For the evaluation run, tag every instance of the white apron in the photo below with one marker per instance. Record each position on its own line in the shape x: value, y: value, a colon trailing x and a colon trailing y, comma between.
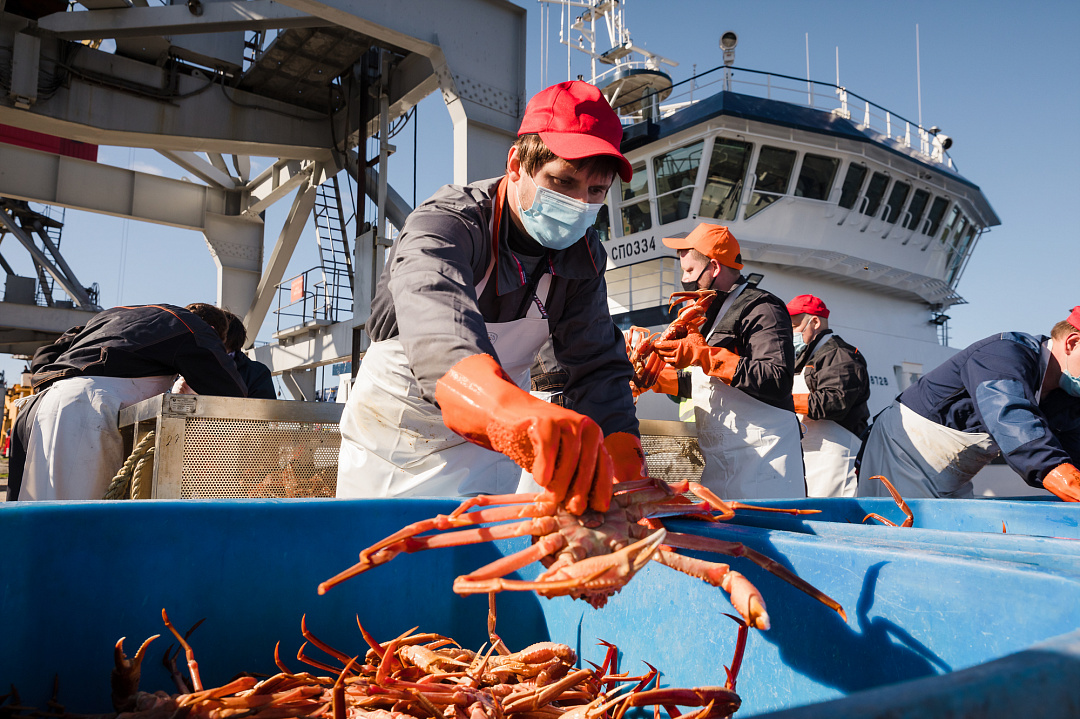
x: 751, y: 448
x: 922, y: 458
x: 395, y: 444
x: 75, y: 449
x: 829, y: 453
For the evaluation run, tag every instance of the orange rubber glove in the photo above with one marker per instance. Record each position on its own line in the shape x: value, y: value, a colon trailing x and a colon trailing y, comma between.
x: 802, y: 403
x: 714, y: 361
x: 667, y: 382
x: 1064, y: 481
x: 627, y: 456
x: 564, y: 450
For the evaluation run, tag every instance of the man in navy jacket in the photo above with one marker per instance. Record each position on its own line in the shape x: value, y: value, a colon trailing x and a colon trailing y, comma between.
x: 1012, y: 393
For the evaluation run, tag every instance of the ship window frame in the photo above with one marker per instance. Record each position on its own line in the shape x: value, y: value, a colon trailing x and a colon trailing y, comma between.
x: 826, y: 186
x: 954, y: 214
x: 636, y: 199
x: 932, y: 228
x: 732, y: 202
x: 768, y: 197
x: 687, y: 189
x: 858, y: 190
x: 866, y: 209
x: 910, y: 221
x: 893, y: 213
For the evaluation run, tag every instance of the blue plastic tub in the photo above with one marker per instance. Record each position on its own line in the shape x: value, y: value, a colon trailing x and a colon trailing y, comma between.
x: 1032, y: 516
x: 78, y: 576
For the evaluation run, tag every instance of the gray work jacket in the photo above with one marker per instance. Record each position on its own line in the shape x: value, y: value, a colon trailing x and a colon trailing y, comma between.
x: 426, y: 298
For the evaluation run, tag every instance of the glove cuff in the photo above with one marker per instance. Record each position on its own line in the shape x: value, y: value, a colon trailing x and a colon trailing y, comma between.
x: 627, y: 456
x: 667, y: 382
x: 1064, y: 481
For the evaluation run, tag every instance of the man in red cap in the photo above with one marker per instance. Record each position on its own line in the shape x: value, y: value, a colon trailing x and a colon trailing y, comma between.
x: 740, y: 374
x: 831, y: 388
x: 1012, y: 393
x: 480, y: 278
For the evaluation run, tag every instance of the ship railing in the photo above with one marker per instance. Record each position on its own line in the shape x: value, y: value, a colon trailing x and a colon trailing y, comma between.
x: 302, y: 303
x: 889, y: 126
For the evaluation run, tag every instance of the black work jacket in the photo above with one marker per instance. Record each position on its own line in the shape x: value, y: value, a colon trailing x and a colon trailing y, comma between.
x: 839, y: 383
x: 257, y: 377
x: 757, y: 327
x: 144, y: 341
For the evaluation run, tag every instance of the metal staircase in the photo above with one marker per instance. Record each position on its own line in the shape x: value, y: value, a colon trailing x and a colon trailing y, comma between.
x: 331, y: 226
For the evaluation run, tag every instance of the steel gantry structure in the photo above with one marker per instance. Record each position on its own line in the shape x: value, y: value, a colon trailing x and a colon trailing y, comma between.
x: 210, y: 84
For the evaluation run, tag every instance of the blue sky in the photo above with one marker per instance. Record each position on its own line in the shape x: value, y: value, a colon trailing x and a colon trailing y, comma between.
x: 998, y: 77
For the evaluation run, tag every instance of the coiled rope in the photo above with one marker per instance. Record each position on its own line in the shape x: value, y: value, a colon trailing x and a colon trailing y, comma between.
x: 123, y: 486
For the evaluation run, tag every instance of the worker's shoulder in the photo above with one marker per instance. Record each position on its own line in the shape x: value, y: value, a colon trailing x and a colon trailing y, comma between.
x: 755, y: 297
x: 835, y: 346
x: 1008, y: 344
x: 461, y: 198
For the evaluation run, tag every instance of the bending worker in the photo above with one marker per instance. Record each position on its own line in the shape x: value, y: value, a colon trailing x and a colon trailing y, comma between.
x: 68, y: 435
x: 830, y: 392
x: 742, y: 371
x: 257, y: 376
x: 479, y: 278
x: 1011, y: 392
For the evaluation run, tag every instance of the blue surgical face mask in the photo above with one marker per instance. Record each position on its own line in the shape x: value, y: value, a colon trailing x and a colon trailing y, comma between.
x: 1070, y: 384
x: 799, y: 342
x: 555, y: 220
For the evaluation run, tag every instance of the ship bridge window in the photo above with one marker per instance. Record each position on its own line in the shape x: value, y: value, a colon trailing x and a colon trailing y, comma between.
x: 676, y: 175
x: 954, y: 214
x: 724, y: 183
x: 916, y: 209
x: 772, y: 176
x: 634, y: 203
x: 849, y: 192
x: 897, y: 198
x: 603, y: 224
x: 816, y: 177
x: 874, y: 192
x: 937, y: 211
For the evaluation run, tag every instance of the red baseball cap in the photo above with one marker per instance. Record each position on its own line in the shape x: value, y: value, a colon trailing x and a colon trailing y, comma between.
x: 575, y: 121
x: 714, y: 241
x: 1074, y: 318
x: 807, y: 304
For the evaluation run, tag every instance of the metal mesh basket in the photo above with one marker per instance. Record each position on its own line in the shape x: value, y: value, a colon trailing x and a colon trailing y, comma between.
x: 671, y: 450
x: 228, y: 448
x: 235, y: 458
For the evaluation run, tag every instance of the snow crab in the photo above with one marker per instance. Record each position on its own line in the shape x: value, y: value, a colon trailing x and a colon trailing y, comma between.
x: 639, y: 341
x: 594, y: 555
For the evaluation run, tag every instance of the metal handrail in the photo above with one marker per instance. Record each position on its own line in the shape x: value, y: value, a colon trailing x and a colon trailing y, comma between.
x: 316, y: 303
x: 876, y: 118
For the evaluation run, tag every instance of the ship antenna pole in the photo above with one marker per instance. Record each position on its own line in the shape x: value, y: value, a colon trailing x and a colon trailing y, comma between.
x: 918, y: 73
x: 809, y: 87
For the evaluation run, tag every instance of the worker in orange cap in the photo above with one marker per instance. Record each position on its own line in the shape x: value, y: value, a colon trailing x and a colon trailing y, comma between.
x: 741, y: 374
x: 1011, y: 393
x: 831, y: 388
x: 478, y: 280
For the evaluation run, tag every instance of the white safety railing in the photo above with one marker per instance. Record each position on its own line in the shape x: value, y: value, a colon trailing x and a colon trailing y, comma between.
x: 887, y: 125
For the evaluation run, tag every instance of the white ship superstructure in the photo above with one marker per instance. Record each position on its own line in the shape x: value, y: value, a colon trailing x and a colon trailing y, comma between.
x: 828, y: 194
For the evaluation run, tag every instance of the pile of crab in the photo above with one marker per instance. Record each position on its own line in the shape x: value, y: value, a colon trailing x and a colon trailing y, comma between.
x: 413, y: 676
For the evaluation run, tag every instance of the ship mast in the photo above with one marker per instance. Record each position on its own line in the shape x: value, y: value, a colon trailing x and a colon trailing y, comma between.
x: 629, y: 76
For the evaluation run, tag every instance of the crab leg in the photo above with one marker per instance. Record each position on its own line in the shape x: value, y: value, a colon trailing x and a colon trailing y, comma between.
x: 593, y: 573
x: 736, y: 549
x: 744, y: 596
x: 899, y: 503
x: 538, y: 526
